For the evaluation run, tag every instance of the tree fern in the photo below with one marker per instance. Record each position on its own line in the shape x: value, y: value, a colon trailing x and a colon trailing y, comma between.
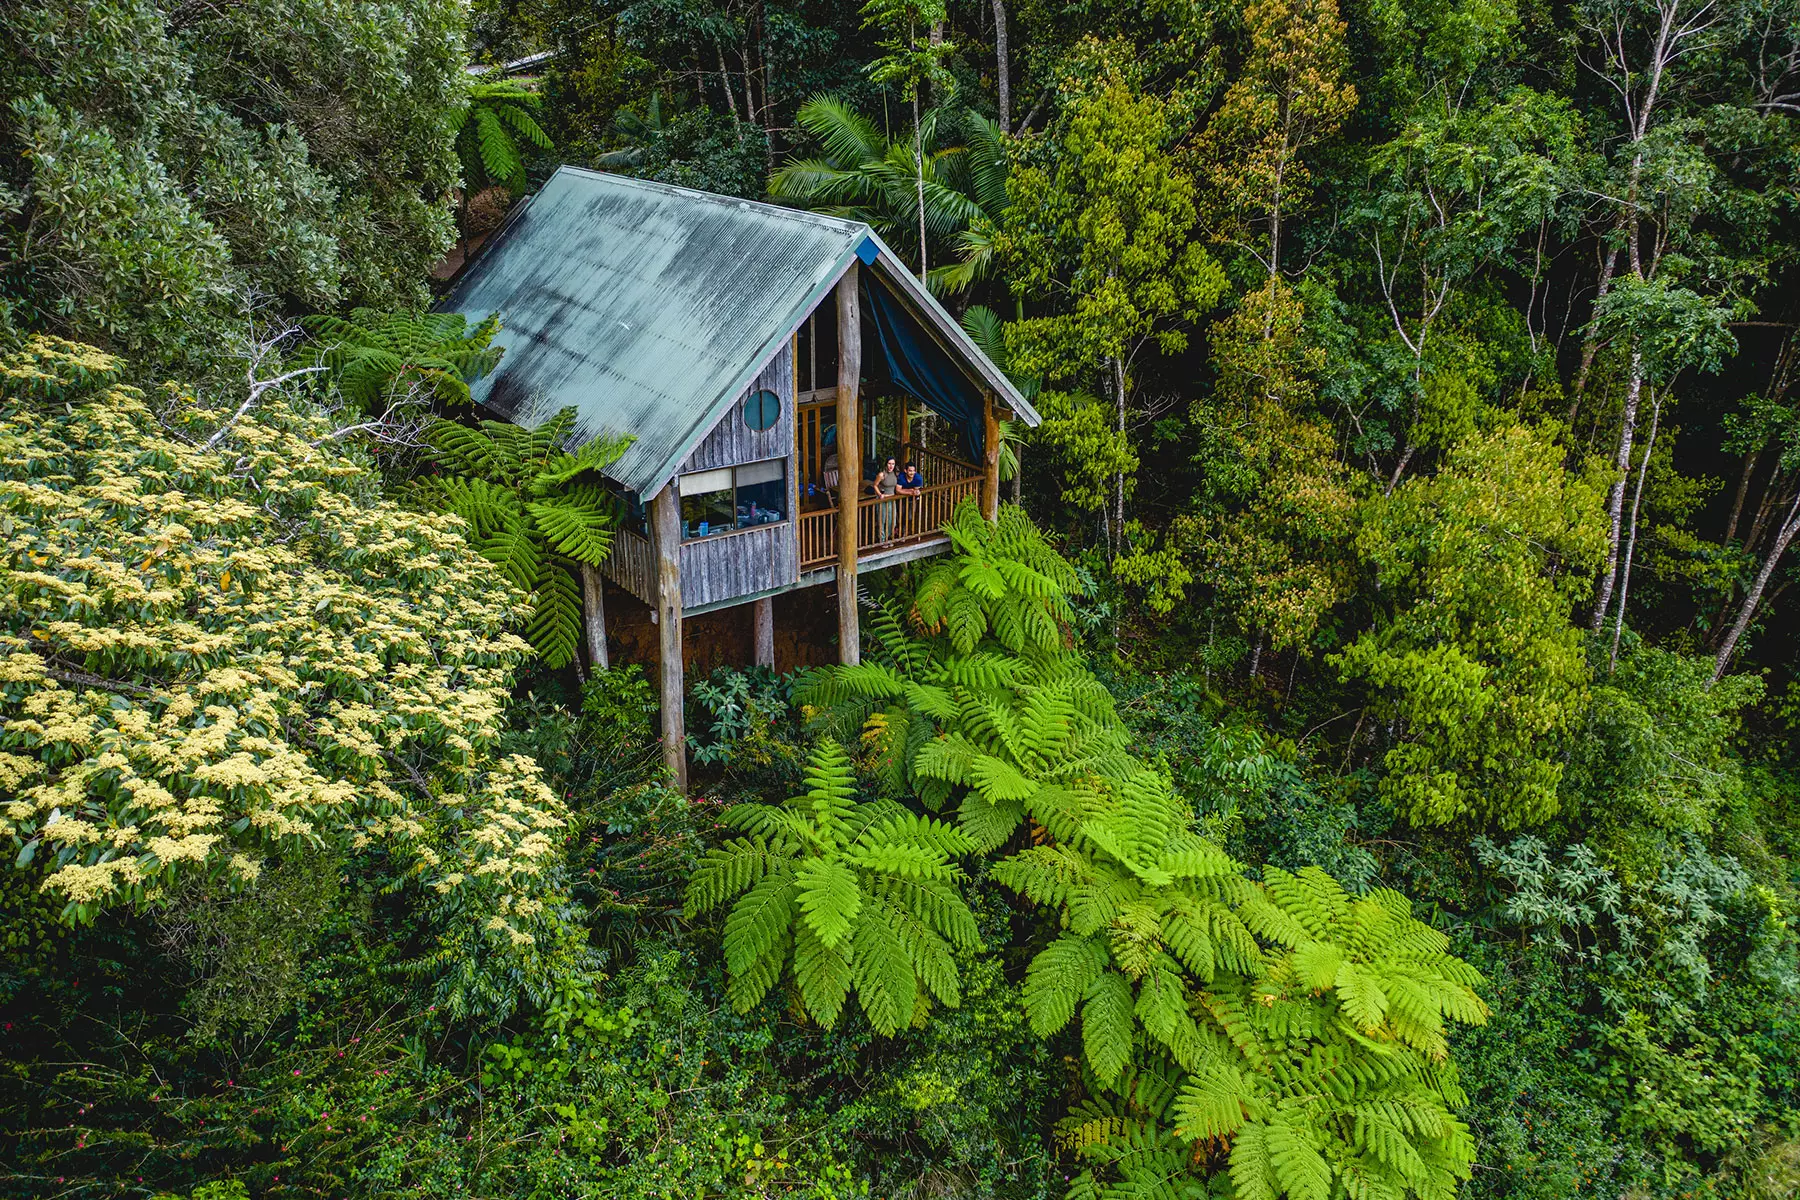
x: 375, y: 357
x: 488, y: 130
x: 842, y: 894
x: 1301, y: 1031
x: 535, y: 509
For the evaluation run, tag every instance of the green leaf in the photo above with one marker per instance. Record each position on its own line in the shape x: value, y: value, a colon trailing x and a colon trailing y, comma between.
x: 1058, y: 978
x: 1107, y: 1025
x: 829, y: 898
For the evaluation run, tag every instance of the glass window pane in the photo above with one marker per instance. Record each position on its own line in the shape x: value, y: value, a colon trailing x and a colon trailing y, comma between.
x: 706, y: 514
x: 762, y: 493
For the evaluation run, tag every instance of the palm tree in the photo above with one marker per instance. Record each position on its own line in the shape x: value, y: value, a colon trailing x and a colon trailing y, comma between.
x: 866, y: 176
x: 983, y: 168
x: 988, y: 331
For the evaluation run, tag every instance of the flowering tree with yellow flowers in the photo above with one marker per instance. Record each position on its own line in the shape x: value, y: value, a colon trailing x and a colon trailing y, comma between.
x: 220, y: 644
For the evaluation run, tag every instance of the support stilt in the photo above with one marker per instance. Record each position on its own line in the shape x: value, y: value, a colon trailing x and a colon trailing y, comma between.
x: 593, y: 613
x: 665, y: 522
x: 850, y: 461
x: 764, y: 617
x: 990, y: 459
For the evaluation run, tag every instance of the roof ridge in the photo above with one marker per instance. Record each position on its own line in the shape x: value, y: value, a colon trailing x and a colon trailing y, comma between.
x: 807, y: 216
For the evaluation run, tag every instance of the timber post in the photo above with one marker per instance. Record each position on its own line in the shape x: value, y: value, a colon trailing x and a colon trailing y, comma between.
x: 990, y: 458
x: 764, y: 615
x: 850, y: 462
x: 593, y: 615
x: 665, y: 528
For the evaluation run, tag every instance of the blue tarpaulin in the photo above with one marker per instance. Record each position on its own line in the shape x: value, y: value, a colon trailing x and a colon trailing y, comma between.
x: 919, y: 366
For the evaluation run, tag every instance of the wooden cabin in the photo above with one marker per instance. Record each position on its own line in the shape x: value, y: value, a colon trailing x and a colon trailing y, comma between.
x: 764, y: 362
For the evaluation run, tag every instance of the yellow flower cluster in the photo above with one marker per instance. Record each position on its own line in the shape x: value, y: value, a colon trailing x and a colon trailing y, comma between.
x: 209, y: 657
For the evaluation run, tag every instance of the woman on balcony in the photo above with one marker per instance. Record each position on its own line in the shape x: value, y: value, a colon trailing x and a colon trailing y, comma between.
x: 887, y: 486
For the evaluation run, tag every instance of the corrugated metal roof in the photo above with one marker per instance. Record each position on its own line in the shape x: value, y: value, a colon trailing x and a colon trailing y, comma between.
x: 649, y: 308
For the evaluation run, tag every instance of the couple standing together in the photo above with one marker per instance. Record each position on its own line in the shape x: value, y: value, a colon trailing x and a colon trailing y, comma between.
x: 891, y: 483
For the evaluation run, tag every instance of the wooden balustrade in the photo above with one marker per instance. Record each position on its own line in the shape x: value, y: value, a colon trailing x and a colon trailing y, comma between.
x: 818, y: 538
x: 885, y: 524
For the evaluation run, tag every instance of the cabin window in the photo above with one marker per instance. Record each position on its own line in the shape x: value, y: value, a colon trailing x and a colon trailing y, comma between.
x: 762, y: 408
x: 730, y: 498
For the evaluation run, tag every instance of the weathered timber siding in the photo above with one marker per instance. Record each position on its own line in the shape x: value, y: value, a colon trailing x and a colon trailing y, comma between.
x: 632, y: 565
x: 744, y: 563
x: 732, y: 443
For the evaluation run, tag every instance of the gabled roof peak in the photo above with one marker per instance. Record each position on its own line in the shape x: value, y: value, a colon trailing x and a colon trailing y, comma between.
x: 649, y: 308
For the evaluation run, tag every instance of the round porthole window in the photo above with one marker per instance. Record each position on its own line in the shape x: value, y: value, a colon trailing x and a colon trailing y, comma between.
x: 762, y: 408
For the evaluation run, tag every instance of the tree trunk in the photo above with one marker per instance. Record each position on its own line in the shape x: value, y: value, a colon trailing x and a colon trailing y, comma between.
x: 850, y: 462
x: 1590, y: 343
x: 593, y: 604
x: 725, y: 84
x: 1789, y: 526
x: 1743, y: 492
x: 1615, y: 503
x: 919, y: 171
x: 665, y: 528
x: 763, y: 615
x: 1637, y: 499
x: 1118, y: 514
x: 1002, y: 69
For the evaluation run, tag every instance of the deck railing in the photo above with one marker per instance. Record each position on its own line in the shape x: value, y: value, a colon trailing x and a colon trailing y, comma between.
x: 885, y: 524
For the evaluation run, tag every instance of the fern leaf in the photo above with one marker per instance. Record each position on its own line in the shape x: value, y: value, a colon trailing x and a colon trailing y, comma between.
x: 885, y: 985
x: 828, y: 897
x: 822, y: 974
x: 1059, y: 978
x: 1252, y: 1173
x: 987, y: 825
x: 1362, y: 997
x: 726, y: 871
x: 554, y: 630
x: 759, y: 922
x: 1213, y: 1103
x: 1300, y: 1169
x: 1107, y: 1025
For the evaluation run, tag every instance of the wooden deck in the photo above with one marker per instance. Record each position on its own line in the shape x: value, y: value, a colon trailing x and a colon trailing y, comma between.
x: 750, y: 562
x: 883, y: 525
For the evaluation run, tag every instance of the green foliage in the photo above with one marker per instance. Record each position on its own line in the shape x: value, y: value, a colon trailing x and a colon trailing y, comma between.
x: 839, y: 894
x: 1276, y: 511
x: 376, y: 358
x: 1477, y: 658
x: 533, y: 508
x: 489, y: 129
x: 868, y: 176
x: 169, y: 168
x: 1208, y: 1002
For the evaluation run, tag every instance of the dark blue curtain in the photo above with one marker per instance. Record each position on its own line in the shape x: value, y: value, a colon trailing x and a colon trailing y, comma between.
x: 921, y: 368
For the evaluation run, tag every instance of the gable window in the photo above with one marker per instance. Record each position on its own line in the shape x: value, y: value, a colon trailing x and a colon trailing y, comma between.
x: 728, y: 498
x: 762, y: 408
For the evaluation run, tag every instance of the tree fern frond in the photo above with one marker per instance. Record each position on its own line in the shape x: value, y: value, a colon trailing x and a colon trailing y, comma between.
x: 828, y: 897
x: 1107, y: 1025
x: 554, y: 629
x: 822, y: 973
x: 886, y: 987
x: 1059, y: 978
